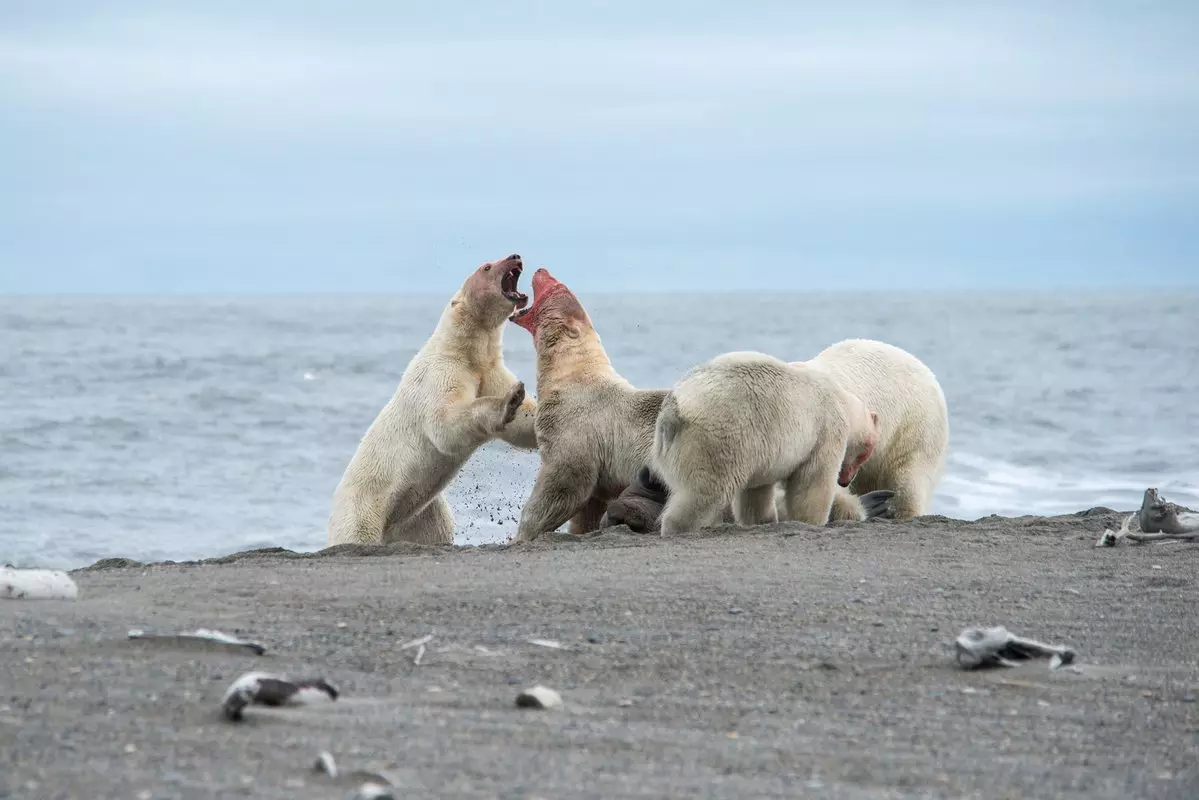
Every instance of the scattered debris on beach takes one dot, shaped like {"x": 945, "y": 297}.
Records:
{"x": 1110, "y": 537}
{"x": 273, "y": 690}
{"x": 200, "y": 636}
{"x": 36, "y": 584}
{"x": 419, "y": 644}
{"x": 550, "y": 643}
{"x": 1160, "y": 521}
{"x": 370, "y": 785}
{"x": 539, "y": 697}
{"x": 998, "y": 647}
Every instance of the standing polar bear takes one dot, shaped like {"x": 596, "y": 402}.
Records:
{"x": 735, "y": 426}
{"x": 913, "y": 436}
{"x": 594, "y": 428}
{"x": 455, "y": 395}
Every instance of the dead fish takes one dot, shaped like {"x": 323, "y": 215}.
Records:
{"x": 274, "y": 690}
{"x": 539, "y": 697}
{"x": 998, "y": 647}
{"x": 203, "y": 636}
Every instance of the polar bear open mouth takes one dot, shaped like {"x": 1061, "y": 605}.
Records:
{"x": 508, "y": 283}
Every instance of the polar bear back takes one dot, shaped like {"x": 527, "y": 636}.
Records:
{"x": 756, "y": 414}
{"x": 913, "y": 417}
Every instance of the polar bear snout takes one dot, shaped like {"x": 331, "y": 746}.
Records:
{"x": 856, "y": 457}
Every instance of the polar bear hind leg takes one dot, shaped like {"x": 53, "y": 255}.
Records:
{"x": 433, "y": 524}
{"x": 755, "y": 506}
{"x": 695, "y": 506}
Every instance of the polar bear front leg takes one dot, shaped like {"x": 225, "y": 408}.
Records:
{"x": 458, "y": 429}
{"x": 755, "y": 506}
{"x": 560, "y": 491}
{"x": 846, "y": 506}
{"x": 520, "y": 431}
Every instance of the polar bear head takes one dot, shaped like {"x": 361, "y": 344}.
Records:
{"x": 489, "y": 295}
{"x": 556, "y": 315}
{"x": 863, "y": 435}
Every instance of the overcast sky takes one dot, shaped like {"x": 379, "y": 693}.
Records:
{"x": 287, "y": 146}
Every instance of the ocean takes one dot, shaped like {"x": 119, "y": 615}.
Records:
{"x": 182, "y": 428}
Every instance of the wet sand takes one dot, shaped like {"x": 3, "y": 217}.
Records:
{"x": 780, "y": 661}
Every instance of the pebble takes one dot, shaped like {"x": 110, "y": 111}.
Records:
{"x": 539, "y": 697}
{"x": 734, "y": 610}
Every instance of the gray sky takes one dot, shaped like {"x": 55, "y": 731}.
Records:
{"x": 224, "y": 146}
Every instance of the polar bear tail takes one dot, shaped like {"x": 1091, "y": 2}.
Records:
{"x": 668, "y": 425}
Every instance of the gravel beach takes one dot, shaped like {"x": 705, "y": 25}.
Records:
{"x": 779, "y": 661}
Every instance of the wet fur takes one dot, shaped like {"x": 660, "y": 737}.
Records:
{"x": 594, "y": 429}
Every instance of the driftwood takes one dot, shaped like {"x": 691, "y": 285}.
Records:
{"x": 370, "y": 785}
{"x": 1161, "y": 521}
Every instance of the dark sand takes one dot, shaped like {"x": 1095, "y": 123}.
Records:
{"x": 781, "y": 661}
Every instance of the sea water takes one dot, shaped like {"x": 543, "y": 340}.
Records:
{"x": 181, "y": 428}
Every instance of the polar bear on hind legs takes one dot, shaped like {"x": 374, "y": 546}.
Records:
{"x": 909, "y": 455}
{"x": 735, "y": 426}
{"x": 455, "y": 395}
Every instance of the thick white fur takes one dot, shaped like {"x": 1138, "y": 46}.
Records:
{"x": 735, "y": 426}
{"x": 453, "y": 397}
{"x": 909, "y": 455}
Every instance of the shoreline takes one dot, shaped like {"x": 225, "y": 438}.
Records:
{"x": 608, "y": 537}
{"x": 780, "y": 661}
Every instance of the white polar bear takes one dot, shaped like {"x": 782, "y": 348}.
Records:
{"x": 909, "y": 455}
{"x": 735, "y": 426}
{"x": 455, "y": 395}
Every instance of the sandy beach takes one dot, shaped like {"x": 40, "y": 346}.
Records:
{"x": 779, "y": 661}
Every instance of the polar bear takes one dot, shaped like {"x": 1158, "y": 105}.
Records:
{"x": 733, "y": 427}
{"x": 594, "y": 428}
{"x": 909, "y": 455}
{"x": 455, "y": 395}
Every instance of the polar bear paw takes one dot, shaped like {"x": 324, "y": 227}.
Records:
{"x": 515, "y": 398}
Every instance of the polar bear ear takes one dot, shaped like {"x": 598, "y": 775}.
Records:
{"x": 874, "y": 418}
{"x": 573, "y": 331}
